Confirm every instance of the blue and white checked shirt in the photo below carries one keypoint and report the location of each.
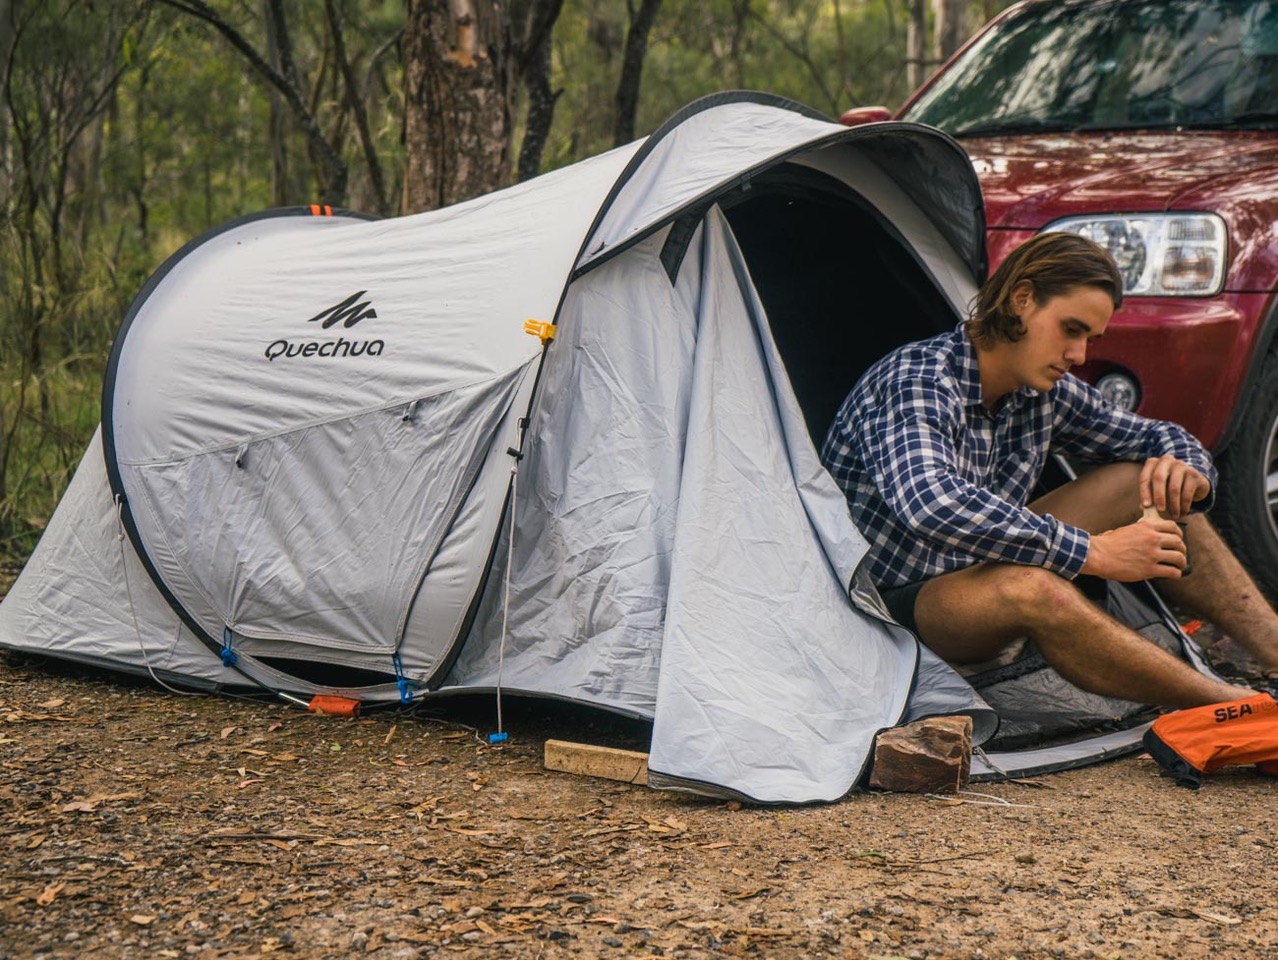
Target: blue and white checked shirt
(938, 483)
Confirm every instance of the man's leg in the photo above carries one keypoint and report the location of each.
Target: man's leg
(1102, 499)
(1219, 589)
(968, 616)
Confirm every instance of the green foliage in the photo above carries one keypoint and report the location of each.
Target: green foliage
(128, 127)
(62, 72)
(831, 55)
(43, 460)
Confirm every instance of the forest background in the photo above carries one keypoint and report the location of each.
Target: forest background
(128, 127)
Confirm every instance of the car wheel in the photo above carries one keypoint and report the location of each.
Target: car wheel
(1246, 508)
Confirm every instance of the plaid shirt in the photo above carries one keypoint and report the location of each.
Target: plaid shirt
(938, 483)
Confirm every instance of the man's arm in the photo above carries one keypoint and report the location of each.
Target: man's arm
(1178, 472)
(905, 445)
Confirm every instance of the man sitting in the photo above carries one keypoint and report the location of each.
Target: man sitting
(941, 442)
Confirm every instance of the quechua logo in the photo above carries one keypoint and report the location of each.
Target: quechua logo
(348, 313)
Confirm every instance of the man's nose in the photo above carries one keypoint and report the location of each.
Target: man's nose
(1076, 353)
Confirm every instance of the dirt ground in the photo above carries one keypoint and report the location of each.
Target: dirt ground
(135, 822)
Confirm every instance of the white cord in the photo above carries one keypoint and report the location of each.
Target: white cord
(128, 589)
(962, 797)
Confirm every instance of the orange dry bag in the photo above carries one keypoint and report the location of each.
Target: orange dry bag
(1190, 743)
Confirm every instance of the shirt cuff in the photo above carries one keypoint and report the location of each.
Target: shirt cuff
(1068, 551)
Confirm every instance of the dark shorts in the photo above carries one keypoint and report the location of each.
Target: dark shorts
(900, 603)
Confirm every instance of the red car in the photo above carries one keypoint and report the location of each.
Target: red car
(1150, 126)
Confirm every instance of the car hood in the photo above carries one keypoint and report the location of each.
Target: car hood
(1029, 181)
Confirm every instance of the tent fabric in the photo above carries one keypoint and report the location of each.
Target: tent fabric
(72, 599)
(240, 542)
(332, 460)
(663, 594)
(445, 305)
(85, 596)
(735, 664)
(950, 268)
(692, 160)
(686, 163)
(594, 522)
(355, 361)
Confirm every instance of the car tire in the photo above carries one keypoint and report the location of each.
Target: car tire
(1246, 509)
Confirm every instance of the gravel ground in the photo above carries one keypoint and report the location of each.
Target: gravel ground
(138, 823)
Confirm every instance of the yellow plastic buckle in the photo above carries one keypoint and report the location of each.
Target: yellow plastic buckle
(541, 329)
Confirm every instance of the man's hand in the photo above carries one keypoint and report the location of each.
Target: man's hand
(1171, 486)
(1144, 550)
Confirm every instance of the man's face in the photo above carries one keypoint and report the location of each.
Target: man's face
(1057, 333)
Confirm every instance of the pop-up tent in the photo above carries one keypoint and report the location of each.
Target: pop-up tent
(334, 460)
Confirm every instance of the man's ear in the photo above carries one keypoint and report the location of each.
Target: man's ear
(1022, 297)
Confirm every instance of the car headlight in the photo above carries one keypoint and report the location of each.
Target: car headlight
(1159, 254)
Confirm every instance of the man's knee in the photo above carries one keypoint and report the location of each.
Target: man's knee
(1101, 499)
(1122, 473)
(1117, 483)
(1034, 595)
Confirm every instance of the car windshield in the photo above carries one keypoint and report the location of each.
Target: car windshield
(1124, 64)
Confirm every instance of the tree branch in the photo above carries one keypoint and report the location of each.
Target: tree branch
(541, 22)
(800, 53)
(375, 59)
(627, 99)
(333, 166)
(357, 108)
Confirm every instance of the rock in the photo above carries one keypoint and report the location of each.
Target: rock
(928, 756)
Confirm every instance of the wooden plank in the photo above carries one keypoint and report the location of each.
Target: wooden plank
(588, 760)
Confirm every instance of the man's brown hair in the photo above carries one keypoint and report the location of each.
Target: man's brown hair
(1052, 264)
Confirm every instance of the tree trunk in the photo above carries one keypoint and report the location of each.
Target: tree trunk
(947, 28)
(138, 184)
(916, 45)
(541, 111)
(457, 101)
(356, 104)
(276, 131)
(538, 18)
(627, 99)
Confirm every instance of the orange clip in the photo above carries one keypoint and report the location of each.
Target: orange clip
(333, 706)
(541, 329)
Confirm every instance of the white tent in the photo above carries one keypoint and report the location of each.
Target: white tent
(305, 477)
